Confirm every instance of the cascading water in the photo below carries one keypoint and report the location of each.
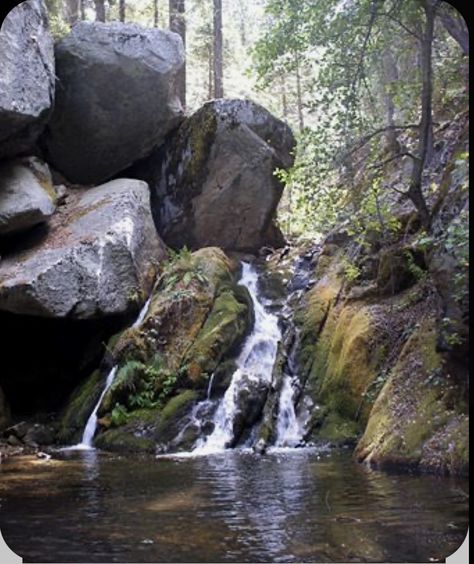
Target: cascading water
(91, 425)
(255, 363)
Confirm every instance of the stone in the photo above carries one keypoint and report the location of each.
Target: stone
(26, 77)
(99, 257)
(116, 102)
(216, 184)
(39, 435)
(27, 196)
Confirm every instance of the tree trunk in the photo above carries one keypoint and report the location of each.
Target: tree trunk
(284, 100)
(425, 141)
(210, 69)
(83, 9)
(122, 9)
(389, 78)
(178, 25)
(218, 48)
(99, 10)
(455, 25)
(156, 13)
(299, 100)
(72, 11)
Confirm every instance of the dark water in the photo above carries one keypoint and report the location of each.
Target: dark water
(296, 507)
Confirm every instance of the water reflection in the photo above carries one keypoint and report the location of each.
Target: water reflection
(231, 507)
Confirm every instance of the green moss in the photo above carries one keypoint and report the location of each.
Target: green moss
(79, 407)
(176, 404)
(122, 439)
(412, 422)
(337, 430)
(225, 326)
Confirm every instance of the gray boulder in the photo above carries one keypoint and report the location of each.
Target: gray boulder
(217, 184)
(115, 99)
(27, 195)
(99, 257)
(26, 77)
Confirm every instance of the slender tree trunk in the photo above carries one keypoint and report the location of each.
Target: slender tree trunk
(425, 142)
(299, 100)
(83, 9)
(178, 25)
(72, 11)
(156, 13)
(284, 100)
(389, 78)
(210, 69)
(122, 10)
(218, 48)
(455, 25)
(99, 10)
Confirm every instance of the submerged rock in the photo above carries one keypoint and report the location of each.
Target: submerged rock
(217, 184)
(116, 100)
(27, 195)
(99, 257)
(26, 77)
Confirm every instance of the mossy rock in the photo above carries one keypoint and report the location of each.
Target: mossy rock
(418, 412)
(398, 269)
(78, 408)
(172, 412)
(337, 430)
(123, 439)
(226, 326)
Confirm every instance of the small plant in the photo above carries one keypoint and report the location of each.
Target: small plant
(119, 415)
(351, 270)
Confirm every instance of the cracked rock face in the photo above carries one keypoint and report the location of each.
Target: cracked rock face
(26, 77)
(115, 98)
(27, 195)
(98, 257)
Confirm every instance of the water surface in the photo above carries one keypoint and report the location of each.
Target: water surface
(294, 506)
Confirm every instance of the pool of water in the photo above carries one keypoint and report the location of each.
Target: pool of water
(297, 506)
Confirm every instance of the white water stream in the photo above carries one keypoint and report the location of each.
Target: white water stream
(255, 362)
(91, 425)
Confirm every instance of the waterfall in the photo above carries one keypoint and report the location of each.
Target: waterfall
(91, 425)
(255, 363)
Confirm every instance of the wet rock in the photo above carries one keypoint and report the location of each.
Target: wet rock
(18, 430)
(26, 77)
(98, 258)
(39, 435)
(116, 100)
(250, 401)
(27, 196)
(217, 184)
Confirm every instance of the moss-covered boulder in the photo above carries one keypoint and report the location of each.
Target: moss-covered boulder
(217, 184)
(196, 320)
(420, 419)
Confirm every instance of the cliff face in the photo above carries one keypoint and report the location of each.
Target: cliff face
(384, 337)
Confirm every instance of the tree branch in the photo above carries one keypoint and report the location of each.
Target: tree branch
(393, 158)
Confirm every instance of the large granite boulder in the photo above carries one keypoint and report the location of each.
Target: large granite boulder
(99, 257)
(26, 77)
(216, 185)
(27, 195)
(115, 99)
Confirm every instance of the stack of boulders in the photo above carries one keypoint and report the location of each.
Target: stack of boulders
(100, 170)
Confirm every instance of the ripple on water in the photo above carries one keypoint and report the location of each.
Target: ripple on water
(302, 505)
